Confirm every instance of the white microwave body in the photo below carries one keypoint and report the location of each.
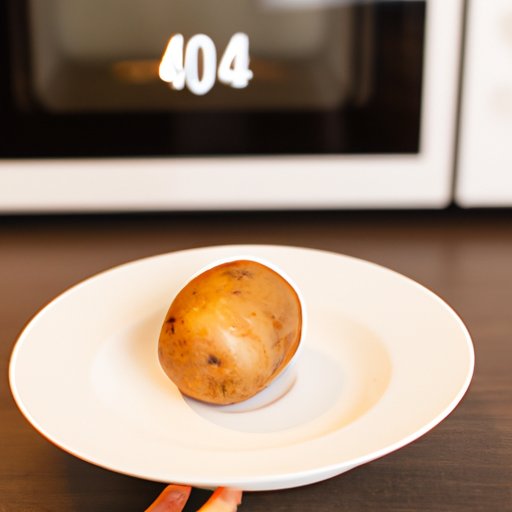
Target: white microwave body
(348, 174)
(484, 167)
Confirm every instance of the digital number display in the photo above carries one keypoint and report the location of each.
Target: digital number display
(180, 65)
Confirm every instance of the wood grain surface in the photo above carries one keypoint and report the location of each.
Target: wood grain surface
(464, 464)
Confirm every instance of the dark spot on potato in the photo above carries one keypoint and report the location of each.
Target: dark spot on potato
(239, 273)
(236, 292)
(171, 321)
(213, 360)
(277, 325)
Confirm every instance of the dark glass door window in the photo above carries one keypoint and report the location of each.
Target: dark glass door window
(326, 77)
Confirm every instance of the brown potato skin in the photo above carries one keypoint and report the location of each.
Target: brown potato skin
(230, 331)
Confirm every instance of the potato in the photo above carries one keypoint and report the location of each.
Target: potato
(230, 331)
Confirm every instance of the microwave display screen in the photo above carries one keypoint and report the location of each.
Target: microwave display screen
(206, 77)
(300, 58)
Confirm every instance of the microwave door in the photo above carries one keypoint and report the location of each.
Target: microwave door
(218, 77)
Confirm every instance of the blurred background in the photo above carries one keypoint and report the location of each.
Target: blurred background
(296, 104)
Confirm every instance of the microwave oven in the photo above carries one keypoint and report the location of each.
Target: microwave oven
(126, 105)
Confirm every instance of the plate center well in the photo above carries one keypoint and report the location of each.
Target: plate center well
(342, 372)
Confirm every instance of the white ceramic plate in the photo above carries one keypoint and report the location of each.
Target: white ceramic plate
(384, 361)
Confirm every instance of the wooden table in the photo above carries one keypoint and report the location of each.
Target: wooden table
(464, 464)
